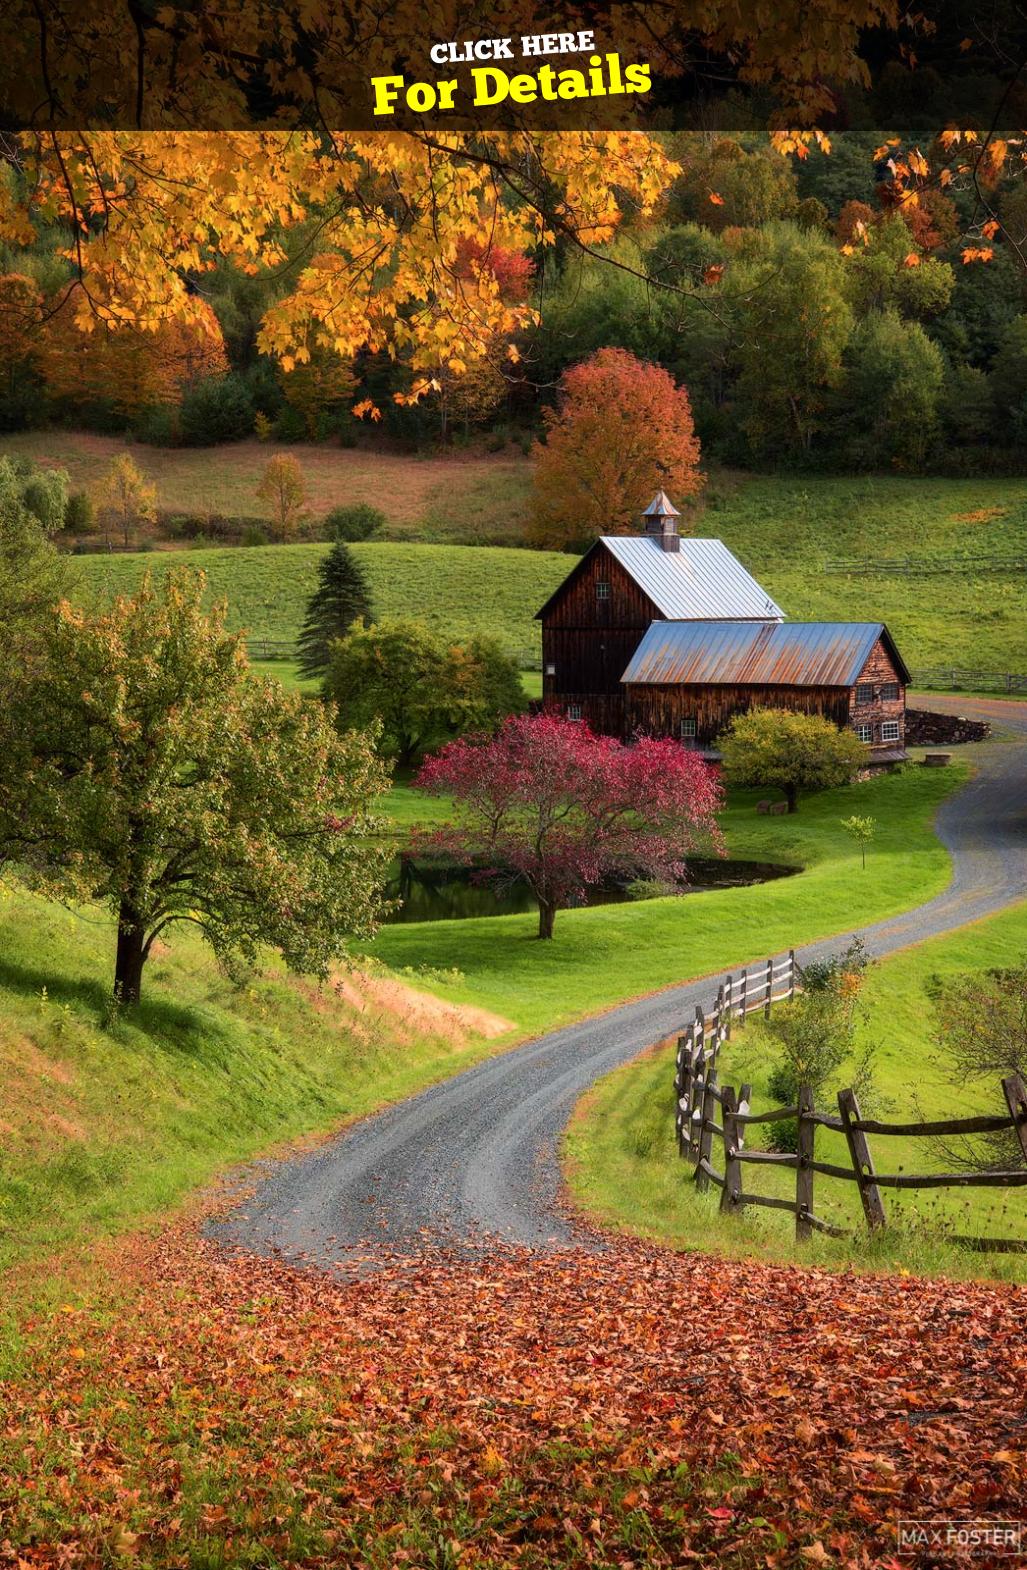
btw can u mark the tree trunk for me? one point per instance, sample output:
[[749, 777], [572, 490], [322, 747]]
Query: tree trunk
[[128, 966], [546, 918], [793, 797]]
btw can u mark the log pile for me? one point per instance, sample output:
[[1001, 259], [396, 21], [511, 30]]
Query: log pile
[[925, 728]]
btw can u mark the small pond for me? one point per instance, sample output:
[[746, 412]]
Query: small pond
[[436, 889]]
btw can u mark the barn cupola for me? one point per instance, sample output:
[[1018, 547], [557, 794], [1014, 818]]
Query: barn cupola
[[661, 520]]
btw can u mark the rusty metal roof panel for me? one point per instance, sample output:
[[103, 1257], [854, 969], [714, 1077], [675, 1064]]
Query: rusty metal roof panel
[[741, 653], [701, 581]]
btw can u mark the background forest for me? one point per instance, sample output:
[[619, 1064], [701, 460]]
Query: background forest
[[817, 319]]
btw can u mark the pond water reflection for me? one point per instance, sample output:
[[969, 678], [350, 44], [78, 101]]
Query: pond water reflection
[[437, 889]]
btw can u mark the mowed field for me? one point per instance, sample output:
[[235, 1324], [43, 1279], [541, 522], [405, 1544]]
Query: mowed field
[[968, 610], [455, 590]]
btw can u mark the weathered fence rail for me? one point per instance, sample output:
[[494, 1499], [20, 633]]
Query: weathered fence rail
[[700, 1099], [270, 648], [924, 566], [951, 679]]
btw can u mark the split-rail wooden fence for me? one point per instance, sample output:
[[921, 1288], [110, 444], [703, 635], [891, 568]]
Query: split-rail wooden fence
[[700, 1099]]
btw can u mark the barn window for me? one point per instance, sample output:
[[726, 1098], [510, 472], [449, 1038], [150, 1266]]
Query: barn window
[[574, 711], [688, 728], [865, 692], [865, 732], [890, 730], [890, 689], [602, 590], [550, 670]]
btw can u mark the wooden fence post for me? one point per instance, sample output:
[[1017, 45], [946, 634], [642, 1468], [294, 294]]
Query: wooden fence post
[[1016, 1100], [731, 1193], [745, 993], [862, 1161], [770, 988], [697, 1090], [683, 1088], [709, 1106], [804, 1168], [791, 975], [728, 1004]]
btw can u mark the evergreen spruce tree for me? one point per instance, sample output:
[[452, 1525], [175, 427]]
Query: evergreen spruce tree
[[340, 599]]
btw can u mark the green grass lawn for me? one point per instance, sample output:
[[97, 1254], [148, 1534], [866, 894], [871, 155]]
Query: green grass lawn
[[455, 590], [783, 528], [610, 953], [624, 1168], [108, 1119]]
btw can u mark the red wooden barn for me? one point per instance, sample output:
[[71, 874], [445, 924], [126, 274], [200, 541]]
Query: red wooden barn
[[672, 636]]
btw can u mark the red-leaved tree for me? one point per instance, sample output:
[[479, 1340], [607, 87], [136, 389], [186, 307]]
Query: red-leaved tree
[[546, 801], [623, 429]]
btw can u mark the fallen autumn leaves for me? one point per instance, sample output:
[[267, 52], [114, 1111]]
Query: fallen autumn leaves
[[631, 1407]]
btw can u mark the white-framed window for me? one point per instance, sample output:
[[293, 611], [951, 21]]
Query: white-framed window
[[889, 730], [574, 711], [865, 732], [550, 669], [602, 589], [688, 728], [890, 689], [865, 692]]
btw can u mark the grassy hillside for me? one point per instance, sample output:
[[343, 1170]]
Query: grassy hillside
[[457, 591], [108, 1118], [783, 528], [786, 529], [624, 1166], [452, 496]]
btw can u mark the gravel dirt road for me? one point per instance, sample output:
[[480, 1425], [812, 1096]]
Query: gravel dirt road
[[475, 1160]]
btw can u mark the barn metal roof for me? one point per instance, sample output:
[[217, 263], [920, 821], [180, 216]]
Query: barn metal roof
[[701, 580], [787, 654]]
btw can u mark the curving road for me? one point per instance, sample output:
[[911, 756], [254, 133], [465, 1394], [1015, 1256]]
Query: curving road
[[474, 1161]]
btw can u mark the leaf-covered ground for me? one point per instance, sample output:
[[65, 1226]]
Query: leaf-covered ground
[[630, 1407]]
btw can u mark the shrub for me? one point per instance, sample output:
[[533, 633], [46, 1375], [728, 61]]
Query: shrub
[[216, 409], [79, 514], [817, 1034], [158, 427], [795, 753], [290, 426], [360, 521]]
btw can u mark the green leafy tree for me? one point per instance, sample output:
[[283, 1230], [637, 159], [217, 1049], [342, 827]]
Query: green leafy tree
[[792, 335], [965, 407], [359, 521], [889, 272], [420, 689], [961, 1003], [340, 599], [731, 182], [862, 830], [816, 1035], [1009, 375], [33, 578], [154, 773], [893, 389], [798, 754]]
